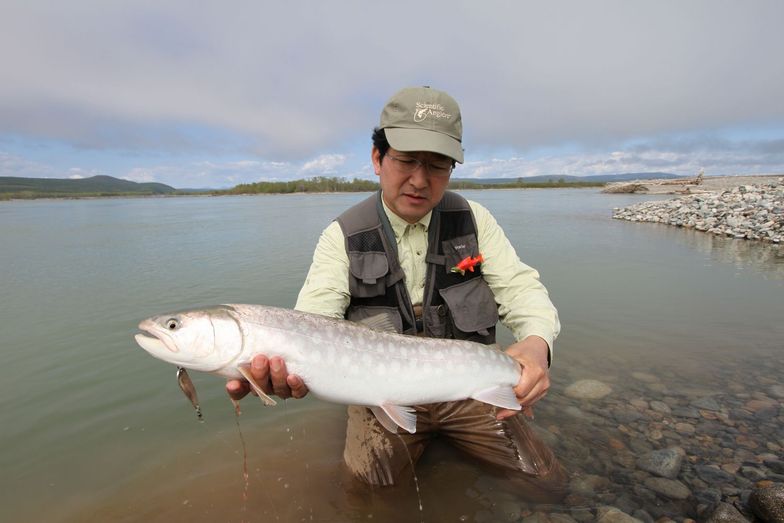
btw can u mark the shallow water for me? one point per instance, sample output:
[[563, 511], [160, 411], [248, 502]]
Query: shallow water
[[93, 427]]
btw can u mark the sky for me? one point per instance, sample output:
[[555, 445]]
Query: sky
[[213, 94]]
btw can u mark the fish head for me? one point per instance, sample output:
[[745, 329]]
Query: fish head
[[204, 340]]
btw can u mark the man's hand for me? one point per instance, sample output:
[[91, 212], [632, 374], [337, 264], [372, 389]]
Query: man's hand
[[531, 353], [273, 378]]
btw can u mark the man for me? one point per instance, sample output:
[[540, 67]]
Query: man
[[430, 263]]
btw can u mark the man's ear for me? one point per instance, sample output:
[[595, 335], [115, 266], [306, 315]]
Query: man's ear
[[375, 156]]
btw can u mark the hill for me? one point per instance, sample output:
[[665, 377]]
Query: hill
[[566, 178], [13, 187]]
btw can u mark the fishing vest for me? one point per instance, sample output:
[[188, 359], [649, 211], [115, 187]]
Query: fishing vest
[[454, 305]]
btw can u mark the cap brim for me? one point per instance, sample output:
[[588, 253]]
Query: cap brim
[[409, 140]]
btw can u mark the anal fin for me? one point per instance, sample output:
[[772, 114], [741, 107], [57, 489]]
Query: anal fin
[[500, 396], [393, 416], [245, 371]]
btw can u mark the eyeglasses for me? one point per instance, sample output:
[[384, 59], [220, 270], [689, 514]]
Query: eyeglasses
[[409, 164]]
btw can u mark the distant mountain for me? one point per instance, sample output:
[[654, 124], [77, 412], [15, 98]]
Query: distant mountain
[[569, 178], [93, 186]]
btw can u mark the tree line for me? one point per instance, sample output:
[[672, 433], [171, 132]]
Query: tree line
[[333, 184], [317, 184]]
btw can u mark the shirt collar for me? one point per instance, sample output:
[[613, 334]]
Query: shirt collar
[[399, 225]]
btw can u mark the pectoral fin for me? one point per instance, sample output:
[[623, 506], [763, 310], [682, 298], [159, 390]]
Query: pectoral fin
[[500, 396], [245, 371], [394, 416], [379, 322]]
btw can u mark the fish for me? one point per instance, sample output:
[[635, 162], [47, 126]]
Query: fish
[[340, 361], [189, 389], [467, 264]]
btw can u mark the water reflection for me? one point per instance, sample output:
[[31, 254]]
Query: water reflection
[[762, 257]]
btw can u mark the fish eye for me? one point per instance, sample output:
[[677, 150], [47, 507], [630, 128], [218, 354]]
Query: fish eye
[[172, 324]]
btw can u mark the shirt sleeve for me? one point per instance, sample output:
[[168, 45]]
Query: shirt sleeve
[[523, 302], [325, 290]]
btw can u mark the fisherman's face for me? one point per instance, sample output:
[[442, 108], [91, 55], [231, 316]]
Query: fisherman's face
[[412, 190]]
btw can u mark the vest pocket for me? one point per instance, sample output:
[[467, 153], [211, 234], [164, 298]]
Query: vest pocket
[[472, 306], [435, 320], [369, 315], [368, 271], [458, 249]]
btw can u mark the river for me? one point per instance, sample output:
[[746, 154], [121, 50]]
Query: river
[[94, 428]]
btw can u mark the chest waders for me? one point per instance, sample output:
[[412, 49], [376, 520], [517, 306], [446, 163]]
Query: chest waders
[[453, 306]]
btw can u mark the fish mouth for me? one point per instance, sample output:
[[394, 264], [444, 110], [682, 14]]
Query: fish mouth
[[152, 343]]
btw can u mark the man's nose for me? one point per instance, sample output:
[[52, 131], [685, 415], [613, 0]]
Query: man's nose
[[419, 178]]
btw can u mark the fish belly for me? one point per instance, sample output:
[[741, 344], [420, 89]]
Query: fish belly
[[343, 362]]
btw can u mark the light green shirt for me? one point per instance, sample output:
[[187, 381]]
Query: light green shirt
[[523, 303]]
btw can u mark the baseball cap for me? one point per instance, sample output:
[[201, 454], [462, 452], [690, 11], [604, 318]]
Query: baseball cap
[[424, 119]]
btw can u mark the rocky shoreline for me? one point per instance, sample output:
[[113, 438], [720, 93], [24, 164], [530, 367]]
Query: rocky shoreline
[[753, 212], [650, 449]]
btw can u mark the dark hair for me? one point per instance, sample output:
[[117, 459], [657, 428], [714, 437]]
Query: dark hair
[[380, 142]]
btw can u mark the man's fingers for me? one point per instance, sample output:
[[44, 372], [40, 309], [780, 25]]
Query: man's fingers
[[297, 386], [278, 376], [535, 394], [260, 370], [502, 414], [532, 386], [237, 389], [273, 378]]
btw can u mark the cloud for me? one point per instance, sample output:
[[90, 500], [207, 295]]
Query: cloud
[[284, 83], [324, 165], [716, 156], [19, 166], [213, 174]]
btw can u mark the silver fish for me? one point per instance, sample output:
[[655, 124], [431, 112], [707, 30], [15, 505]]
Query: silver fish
[[339, 361]]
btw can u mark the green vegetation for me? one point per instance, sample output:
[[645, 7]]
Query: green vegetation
[[323, 184], [318, 184], [521, 184], [96, 186], [106, 186]]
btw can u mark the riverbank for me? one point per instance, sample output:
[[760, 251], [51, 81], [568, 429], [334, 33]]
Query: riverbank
[[700, 184], [742, 211]]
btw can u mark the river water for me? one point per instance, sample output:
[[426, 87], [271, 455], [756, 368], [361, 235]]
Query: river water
[[94, 428]]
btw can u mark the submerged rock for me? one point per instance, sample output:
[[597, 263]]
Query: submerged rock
[[665, 463], [669, 488], [768, 503], [588, 390], [614, 515], [726, 513]]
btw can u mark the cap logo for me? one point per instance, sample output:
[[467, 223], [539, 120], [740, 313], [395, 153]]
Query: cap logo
[[423, 111]]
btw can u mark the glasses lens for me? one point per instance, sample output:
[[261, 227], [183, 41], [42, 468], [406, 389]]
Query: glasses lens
[[407, 165], [439, 169]]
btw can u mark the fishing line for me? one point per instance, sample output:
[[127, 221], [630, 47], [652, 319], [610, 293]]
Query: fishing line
[[416, 480]]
